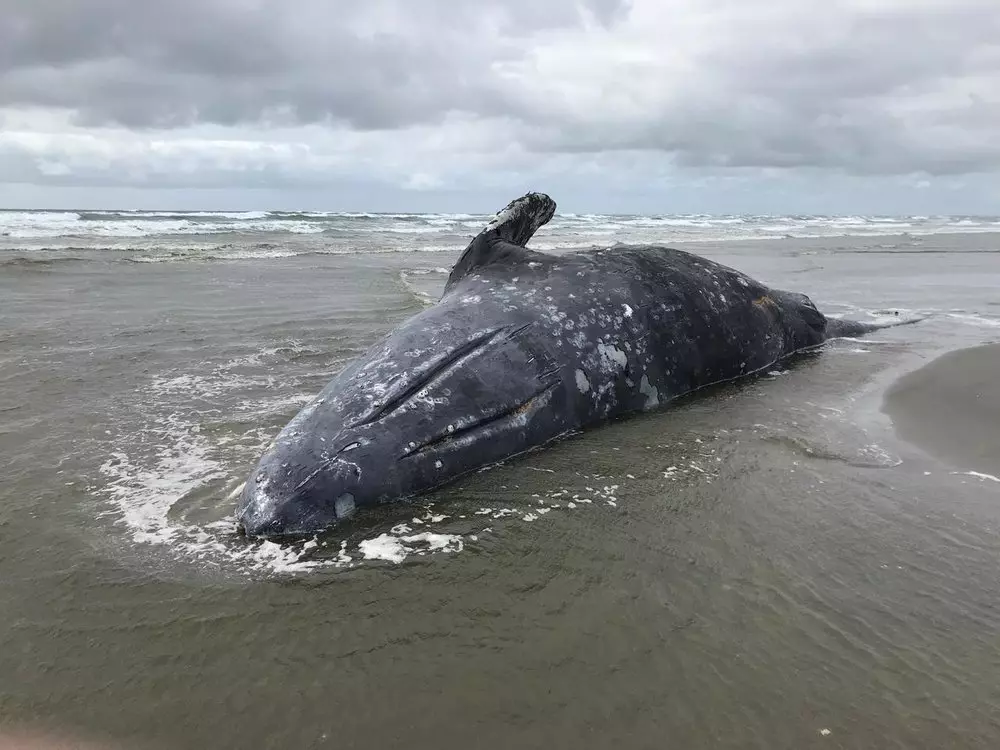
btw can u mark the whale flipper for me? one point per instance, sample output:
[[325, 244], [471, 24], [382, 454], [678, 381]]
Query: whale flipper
[[841, 328], [506, 235]]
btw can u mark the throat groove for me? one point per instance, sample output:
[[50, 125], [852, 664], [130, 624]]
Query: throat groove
[[426, 375], [498, 418]]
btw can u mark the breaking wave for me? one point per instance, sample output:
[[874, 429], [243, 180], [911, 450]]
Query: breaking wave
[[137, 224]]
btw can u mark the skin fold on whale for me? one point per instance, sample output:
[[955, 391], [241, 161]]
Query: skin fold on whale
[[523, 348]]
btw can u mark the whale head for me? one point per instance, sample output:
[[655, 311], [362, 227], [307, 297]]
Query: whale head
[[347, 449], [437, 400]]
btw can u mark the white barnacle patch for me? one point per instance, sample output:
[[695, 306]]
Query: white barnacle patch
[[581, 381], [649, 391], [344, 505], [613, 355], [438, 465], [502, 217], [378, 388], [471, 299], [628, 310], [424, 398]]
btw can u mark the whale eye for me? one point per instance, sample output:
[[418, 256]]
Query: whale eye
[[344, 505]]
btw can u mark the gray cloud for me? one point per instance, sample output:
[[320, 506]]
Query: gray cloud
[[885, 91], [435, 91], [369, 64]]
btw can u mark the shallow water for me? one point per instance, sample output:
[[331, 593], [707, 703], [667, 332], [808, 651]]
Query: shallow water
[[746, 569]]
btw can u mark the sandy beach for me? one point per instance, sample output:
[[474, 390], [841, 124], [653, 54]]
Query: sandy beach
[[951, 408]]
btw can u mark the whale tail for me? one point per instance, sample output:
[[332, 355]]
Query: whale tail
[[839, 328], [508, 231]]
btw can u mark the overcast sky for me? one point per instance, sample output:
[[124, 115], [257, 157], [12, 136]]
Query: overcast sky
[[771, 106]]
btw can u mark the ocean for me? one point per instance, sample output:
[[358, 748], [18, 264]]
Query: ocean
[[806, 559], [156, 236]]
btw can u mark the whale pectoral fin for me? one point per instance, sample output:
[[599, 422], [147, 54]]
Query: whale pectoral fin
[[518, 222], [504, 238]]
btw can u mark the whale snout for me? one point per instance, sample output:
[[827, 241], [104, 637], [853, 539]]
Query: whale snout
[[274, 505]]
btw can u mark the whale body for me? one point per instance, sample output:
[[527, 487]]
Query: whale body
[[522, 349]]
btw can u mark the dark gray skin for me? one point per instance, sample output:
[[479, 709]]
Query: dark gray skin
[[522, 349]]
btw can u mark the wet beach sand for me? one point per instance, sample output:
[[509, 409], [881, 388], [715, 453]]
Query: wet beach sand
[[776, 564], [951, 408]]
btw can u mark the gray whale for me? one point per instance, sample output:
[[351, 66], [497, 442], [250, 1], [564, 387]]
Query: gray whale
[[522, 349]]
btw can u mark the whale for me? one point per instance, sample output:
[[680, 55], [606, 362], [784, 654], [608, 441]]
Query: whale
[[522, 349]]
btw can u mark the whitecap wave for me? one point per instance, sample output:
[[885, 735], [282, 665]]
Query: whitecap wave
[[626, 228]]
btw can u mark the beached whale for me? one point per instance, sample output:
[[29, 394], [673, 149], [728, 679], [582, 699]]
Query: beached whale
[[523, 348]]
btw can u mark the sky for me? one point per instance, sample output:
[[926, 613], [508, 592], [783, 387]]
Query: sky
[[634, 106]]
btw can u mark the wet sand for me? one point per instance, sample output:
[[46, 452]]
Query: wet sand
[[951, 408]]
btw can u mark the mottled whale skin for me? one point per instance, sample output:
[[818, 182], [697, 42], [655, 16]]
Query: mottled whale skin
[[522, 348]]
